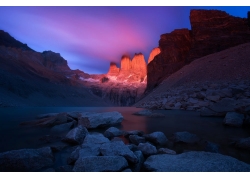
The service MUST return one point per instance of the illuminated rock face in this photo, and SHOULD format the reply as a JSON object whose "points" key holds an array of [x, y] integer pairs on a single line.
{"points": [[139, 65], [153, 53], [211, 31], [125, 63], [113, 69]]}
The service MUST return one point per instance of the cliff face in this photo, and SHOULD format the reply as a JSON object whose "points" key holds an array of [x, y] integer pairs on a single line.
{"points": [[211, 31], [153, 53], [214, 31], [113, 69], [174, 48]]}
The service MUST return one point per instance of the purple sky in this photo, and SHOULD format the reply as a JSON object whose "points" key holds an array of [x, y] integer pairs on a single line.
{"points": [[91, 37]]}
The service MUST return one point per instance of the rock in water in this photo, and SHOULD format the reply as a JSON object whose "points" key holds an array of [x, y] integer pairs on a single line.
{"points": [[147, 149], [186, 137], [112, 132], [76, 135], [94, 120], [26, 160], [100, 164], [118, 148], [233, 119], [195, 162], [157, 138]]}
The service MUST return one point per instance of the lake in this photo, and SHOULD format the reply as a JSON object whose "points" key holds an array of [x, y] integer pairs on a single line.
{"points": [[13, 136]]}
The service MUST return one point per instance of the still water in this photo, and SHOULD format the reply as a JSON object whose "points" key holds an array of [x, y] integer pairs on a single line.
{"points": [[13, 136]]}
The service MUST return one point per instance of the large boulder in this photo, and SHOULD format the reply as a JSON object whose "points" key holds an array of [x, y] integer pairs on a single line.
{"points": [[76, 135], [157, 138], [195, 162], [112, 132], [95, 120], [185, 137], [233, 119], [136, 139], [26, 160], [62, 127], [243, 143], [118, 148], [147, 149], [90, 147], [100, 164], [137, 167]]}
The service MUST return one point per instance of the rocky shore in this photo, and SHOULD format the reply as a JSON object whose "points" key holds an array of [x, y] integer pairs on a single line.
{"points": [[80, 147]]}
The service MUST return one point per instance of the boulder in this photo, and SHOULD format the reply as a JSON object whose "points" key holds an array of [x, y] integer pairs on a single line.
{"points": [[137, 167], [95, 120], [157, 138], [243, 143], [74, 115], [166, 151], [135, 132], [100, 164], [233, 119], [76, 135], [144, 112], [112, 132], [220, 108], [62, 128], [118, 148], [26, 160], [136, 139], [65, 168], [211, 147], [90, 147], [195, 161], [185, 137], [147, 149]]}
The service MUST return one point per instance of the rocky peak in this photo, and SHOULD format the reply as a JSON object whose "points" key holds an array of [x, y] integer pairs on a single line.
{"points": [[8, 41], [54, 61], [125, 63], [139, 64], [113, 69], [153, 53]]}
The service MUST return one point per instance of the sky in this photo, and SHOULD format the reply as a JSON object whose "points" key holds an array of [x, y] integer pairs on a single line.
{"points": [[90, 37]]}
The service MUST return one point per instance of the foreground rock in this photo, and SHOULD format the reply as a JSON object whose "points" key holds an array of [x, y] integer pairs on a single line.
{"points": [[195, 162], [76, 135], [157, 138], [243, 143], [112, 132], [234, 119], [118, 148], [166, 151], [147, 149], [95, 120], [100, 164], [25, 160], [186, 137]]}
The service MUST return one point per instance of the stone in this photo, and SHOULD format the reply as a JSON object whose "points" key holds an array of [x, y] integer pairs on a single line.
{"points": [[96, 138], [112, 132], [76, 135], [185, 137], [195, 161], [144, 112], [75, 115], [211, 147], [137, 167], [213, 98], [157, 138], [26, 160], [166, 151], [100, 164], [65, 168], [118, 148], [135, 139], [134, 132], [233, 119], [62, 128], [243, 143], [127, 170], [95, 120], [147, 149]]}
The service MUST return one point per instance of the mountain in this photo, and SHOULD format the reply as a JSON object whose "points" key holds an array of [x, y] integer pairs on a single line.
{"points": [[30, 78], [219, 77], [211, 31]]}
